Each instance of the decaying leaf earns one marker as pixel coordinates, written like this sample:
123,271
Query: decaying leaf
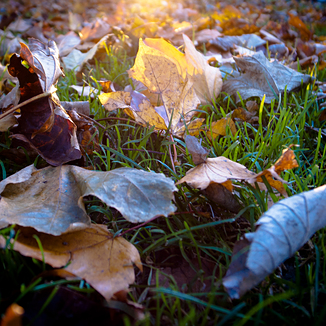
261,77
44,125
198,152
50,199
104,262
282,230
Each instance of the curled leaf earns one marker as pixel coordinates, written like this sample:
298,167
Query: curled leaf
282,230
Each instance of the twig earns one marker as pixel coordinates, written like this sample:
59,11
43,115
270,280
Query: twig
13,109
122,119
140,150
90,119
154,218
171,158
139,225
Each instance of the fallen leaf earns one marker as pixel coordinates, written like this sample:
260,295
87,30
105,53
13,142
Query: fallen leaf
221,170
20,25
76,59
106,263
261,77
66,43
207,79
50,199
198,152
43,124
218,128
95,31
300,25
281,231
78,106
161,76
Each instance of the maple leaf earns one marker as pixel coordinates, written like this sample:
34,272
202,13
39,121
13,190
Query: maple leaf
106,263
50,199
161,76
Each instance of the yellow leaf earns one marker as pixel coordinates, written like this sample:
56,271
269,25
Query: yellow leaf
161,75
218,128
115,100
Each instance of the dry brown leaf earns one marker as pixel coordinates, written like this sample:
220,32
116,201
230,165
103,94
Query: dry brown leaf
287,161
219,169
104,262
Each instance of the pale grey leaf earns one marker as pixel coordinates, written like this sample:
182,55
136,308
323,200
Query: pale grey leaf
261,77
282,230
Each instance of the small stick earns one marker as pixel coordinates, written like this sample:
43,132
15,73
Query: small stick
122,119
13,109
90,119
172,160
140,150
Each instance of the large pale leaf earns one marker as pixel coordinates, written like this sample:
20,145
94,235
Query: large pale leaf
207,79
50,199
261,77
104,262
282,230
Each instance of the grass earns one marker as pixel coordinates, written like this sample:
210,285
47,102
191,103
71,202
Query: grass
200,233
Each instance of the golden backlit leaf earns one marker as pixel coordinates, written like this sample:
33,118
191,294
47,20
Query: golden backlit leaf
115,100
286,162
106,263
162,75
207,79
